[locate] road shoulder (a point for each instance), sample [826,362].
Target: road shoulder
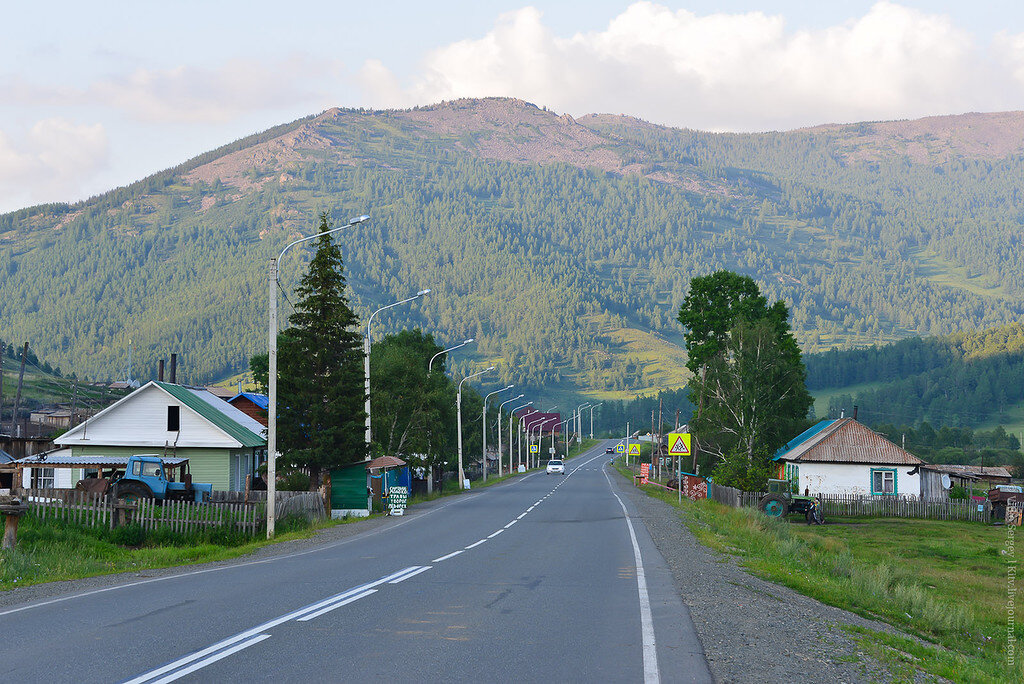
[753,630]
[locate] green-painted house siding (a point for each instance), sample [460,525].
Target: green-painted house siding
[206,465]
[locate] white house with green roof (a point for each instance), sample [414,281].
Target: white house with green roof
[223,445]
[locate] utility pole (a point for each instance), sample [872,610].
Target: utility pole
[661,408]
[654,451]
[17,397]
[2,348]
[74,403]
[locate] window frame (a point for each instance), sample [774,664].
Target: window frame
[895,485]
[174,419]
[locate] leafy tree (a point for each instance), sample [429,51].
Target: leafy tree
[413,410]
[320,370]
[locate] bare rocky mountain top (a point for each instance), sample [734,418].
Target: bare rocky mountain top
[934,139]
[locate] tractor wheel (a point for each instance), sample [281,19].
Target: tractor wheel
[774,506]
[132,492]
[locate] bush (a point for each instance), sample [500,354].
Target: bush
[959,492]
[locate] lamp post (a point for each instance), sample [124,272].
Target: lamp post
[458,414]
[539,429]
[366,355]
[592,419]
[272,373]
[579,421]
[483,437]
[430,365]
[511,415]
[519,434]
[565,431]
[510,435]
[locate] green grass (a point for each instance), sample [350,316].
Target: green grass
[942,583]
[941,272]
[56,550]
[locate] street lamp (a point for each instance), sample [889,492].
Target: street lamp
[272,373]
[539,429]
[592,419]
[511,415]
[444,351]
[366,356]
[509,435]
[519,435]
[565,432]
[458,412]
[579,421]
[483,438]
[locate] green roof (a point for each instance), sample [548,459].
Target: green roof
[244,435]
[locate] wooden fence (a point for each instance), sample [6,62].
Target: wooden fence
[309,505]
[94,510]
[844,506]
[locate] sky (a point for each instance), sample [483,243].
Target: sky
[94,95]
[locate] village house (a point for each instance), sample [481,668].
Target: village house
[223,444]
[846,457]
[256,406]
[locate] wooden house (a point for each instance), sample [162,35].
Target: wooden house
[253,405]
[223,444]
[846,457]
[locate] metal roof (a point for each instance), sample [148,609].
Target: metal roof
[803,437]
[56,459]
[233,426]
[970,471]
[261,400]
[847,441]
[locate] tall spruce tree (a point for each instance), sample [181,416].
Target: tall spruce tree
[320,376]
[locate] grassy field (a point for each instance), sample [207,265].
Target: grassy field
[942,583]
[941,272]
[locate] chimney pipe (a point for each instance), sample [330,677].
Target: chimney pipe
[160,371]
[855,412]
[174,369]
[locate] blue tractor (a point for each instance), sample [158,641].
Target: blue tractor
[147,476]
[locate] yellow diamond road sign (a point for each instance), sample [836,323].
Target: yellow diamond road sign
[634,449]
[679,444]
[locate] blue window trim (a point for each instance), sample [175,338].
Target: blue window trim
[895,488]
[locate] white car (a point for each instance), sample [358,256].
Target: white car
[556,467]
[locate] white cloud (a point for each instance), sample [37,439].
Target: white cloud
[726,71]
[215,95]
[55,159]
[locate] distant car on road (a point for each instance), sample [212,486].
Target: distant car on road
[609,450]
[556,467]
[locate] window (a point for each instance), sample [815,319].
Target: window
[42,478]
[883,481]
[173,418]
[137,468]
[151,469]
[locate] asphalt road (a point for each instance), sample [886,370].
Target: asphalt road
[543,578]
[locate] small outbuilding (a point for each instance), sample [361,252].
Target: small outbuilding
[845,457]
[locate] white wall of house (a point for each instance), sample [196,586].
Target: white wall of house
[854,478]
[63,478]
[142,422]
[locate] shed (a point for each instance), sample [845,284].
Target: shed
[256,406]
[846,457]
[350,490]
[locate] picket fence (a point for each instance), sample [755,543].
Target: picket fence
[309,505]
[94,510]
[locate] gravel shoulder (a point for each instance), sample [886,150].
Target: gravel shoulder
[753,630]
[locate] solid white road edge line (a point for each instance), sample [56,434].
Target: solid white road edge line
[651,674]
[350,599]
[453,554]
[212,659]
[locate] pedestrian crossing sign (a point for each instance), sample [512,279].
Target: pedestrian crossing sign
[620,448]
[679,444]
[534,449]
[634,449]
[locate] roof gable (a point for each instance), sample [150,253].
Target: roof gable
[847,441]
[140,420]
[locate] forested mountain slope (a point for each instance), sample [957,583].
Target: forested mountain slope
[959,380]
[564,246]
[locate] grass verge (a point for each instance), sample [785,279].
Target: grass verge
[943,583]
[56,550]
